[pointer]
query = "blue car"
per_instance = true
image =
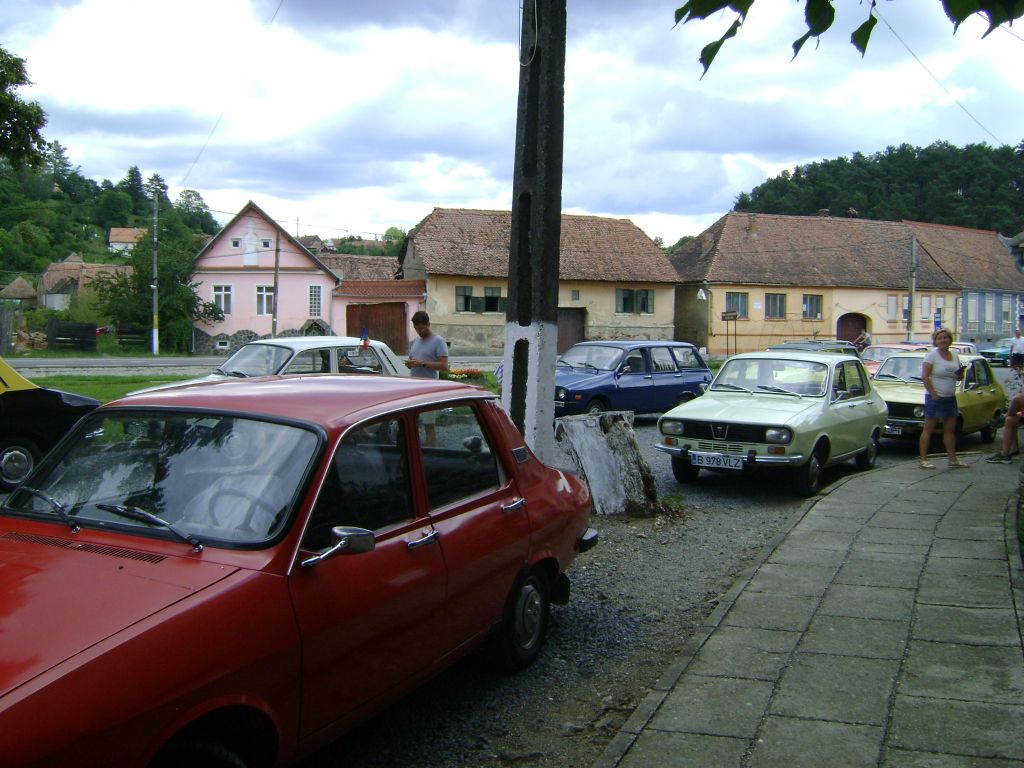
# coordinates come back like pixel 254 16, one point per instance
pixel 638 376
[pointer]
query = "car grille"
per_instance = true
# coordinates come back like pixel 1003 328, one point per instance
pixel 718 447
pixel 902 410
pixel 720 432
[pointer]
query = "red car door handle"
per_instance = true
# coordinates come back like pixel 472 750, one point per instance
pixel 514 506
pixel 427 538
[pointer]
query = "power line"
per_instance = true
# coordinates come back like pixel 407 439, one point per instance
pixel 938 82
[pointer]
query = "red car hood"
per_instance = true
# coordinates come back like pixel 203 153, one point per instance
pixel 61 595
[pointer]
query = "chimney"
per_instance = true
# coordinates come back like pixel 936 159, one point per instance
pixel 752 226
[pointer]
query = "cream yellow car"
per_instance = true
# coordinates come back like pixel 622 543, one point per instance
pixel 793 410
pixel 980 397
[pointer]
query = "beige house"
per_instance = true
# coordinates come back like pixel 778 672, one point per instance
pixel 614 282
pixel 793 277
pixel 62 279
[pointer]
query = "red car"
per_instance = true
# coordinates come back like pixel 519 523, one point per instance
pixel 235 573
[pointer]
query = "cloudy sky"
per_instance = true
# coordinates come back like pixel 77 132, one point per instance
pixel 341 117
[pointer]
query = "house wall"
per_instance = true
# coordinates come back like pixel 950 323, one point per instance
pixel 483 333
pixel 694 316
pixel 986 316
pixel 243 257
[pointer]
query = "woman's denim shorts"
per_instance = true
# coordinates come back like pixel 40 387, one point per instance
pixel 940 407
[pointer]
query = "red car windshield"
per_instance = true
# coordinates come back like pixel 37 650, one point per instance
pixel 219 478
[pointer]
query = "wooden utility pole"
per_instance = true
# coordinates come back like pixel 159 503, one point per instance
pixel 531 320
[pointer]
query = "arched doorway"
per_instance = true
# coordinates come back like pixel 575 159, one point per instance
pixel 849 326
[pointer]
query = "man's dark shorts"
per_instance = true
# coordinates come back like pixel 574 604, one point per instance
pixel 1016 360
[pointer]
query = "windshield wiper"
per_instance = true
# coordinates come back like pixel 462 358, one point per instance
pixel 239 374
pixel 780 390
pixel 59 508
pixel 737 387
pixel 134 513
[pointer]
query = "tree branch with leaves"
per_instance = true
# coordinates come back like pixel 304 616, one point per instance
pixel 820 14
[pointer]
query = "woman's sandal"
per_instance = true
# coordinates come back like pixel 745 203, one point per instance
pixel 925 464
pixel 957 464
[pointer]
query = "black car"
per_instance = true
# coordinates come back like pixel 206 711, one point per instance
pixel 32 420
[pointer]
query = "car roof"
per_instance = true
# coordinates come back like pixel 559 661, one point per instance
pixel 328 400
pixel 902 345
pixel 809 355
pixel 920 356
pixel 301 343
pixel 632 343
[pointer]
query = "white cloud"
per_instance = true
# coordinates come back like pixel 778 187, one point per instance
pixel 358 117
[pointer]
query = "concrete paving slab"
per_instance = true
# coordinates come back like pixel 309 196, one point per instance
pixel 745 652
pixel 792 579
pixel 977 626
pixel 973 592
pixel 827 523
pixel 966 566
pixel 861 547
pixel 844 688
pixel 880 573
pixel 903 520
pixel 786 742
pixel 984 550
pixel 868 602
pixel 964 672
pixel 684 750
pixel 848 636
pixel 835 540
pixel 789 552
pixel 899 758
pixel 965 531
pixel 717 706
pixel 874 535
pixel 958 727
pixel 767 611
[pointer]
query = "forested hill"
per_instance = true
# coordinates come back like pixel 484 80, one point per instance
pixel 976 186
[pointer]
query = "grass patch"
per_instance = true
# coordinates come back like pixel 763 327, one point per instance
pixel 104 388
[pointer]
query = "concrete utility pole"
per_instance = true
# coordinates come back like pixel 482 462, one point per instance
pixel 531 329
pixel 156 314
pixel 913 286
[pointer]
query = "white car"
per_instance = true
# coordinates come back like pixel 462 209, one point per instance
pixel 304 354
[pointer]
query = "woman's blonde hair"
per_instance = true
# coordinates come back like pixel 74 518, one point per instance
pixel 943 329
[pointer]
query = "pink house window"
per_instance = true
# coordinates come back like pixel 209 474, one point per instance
pixel 264 299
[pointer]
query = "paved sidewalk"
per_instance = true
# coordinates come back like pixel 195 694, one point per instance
pixel 882 629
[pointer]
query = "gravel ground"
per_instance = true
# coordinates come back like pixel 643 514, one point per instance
pixel 636 598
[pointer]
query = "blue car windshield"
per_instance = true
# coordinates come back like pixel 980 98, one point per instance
pixel 591 356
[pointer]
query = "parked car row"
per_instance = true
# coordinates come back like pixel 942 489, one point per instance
pixel 806 410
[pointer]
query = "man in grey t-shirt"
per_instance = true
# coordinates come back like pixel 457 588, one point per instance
pixel 428 354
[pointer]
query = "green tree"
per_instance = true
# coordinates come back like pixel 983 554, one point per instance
pixel 195 212
pixel 127 298
pixel 819 15
pixel 132 186
pixel 21 122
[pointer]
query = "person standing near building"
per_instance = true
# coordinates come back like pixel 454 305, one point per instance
pixel 428 353
pixel 940 372
pixel 1017 352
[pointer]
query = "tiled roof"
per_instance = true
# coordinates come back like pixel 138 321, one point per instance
pixel 81 273
pixel 974 258
pixel 382 289
pixel 475 243
pixel 129 235
pixel 18 288
pixel 351 267
pixel 766 249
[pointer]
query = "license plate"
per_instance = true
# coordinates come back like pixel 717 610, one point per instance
pixel 893 429
pixel 716 460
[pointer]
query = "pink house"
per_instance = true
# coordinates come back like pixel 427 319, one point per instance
pixel 268 284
